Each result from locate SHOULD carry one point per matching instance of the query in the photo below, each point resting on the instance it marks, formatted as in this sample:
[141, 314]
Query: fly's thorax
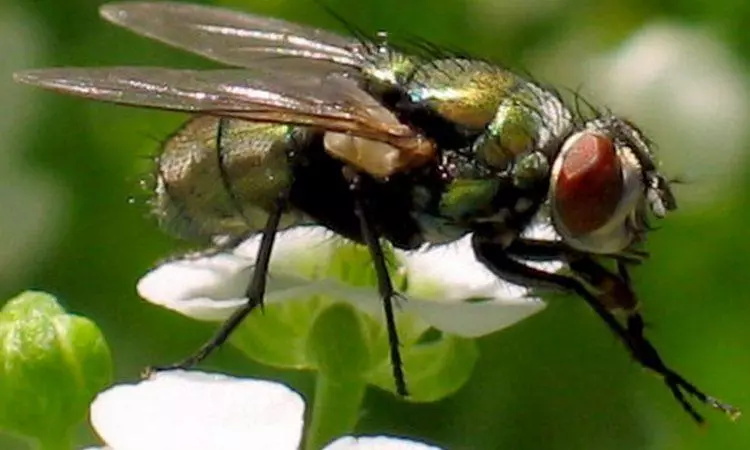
[501, 179]
[446, 209]
[220, 177]
[603, 185]
[463, 91]
[514, 127]
[473, 197]
[528, 121]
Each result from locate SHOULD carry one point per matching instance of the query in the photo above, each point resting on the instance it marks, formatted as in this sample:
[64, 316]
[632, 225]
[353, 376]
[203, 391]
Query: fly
[413, 148]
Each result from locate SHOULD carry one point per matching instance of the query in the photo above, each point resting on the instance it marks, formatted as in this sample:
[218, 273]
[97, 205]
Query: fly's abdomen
[221, 177]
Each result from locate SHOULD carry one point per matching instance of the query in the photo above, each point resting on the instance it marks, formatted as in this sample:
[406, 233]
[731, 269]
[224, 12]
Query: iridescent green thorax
[466, 92]
[511, 116]
[514, 130]
[528, 120]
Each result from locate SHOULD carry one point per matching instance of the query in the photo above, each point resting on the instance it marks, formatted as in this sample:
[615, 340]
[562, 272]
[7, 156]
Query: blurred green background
[73, 221]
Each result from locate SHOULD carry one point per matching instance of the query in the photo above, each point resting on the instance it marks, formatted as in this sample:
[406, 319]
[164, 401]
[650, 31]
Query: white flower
[447, 287]
[377, 443]
[181, 410]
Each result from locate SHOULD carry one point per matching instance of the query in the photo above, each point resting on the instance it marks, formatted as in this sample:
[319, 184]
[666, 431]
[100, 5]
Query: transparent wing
[333, 102]
[231, 37]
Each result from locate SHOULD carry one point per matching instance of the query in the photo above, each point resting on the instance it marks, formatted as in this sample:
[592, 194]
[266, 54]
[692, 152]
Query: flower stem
[335, 410]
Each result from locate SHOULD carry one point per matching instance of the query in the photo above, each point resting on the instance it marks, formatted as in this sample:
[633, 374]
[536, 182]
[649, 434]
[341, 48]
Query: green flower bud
[53, 364]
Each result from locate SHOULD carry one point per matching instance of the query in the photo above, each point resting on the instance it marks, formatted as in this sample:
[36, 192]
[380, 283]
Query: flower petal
[212, 287]
[474, 319]
[377, 443]
[447, 287]
[195, 410]
[191, 286]
[297, 242]
[452, 291]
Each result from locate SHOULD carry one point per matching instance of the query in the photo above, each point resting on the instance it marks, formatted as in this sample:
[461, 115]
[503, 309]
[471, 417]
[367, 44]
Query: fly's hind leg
[254, 293]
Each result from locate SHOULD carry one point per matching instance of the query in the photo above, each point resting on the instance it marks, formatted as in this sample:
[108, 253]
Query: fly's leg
[640, 347]
[500, 261]
[255, 291]
[385, 286]
[613, 292]
[541, 250]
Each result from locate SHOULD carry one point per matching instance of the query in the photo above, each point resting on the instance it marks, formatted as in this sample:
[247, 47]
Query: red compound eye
[589, 184]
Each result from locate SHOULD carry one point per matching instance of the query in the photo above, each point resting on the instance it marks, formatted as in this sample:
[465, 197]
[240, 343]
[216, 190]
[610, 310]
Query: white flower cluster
[447, 287]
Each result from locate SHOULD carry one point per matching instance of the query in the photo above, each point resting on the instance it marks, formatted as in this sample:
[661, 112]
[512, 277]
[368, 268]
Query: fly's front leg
[643, 351]
[255, 291]
[504, 262]
[541, 250]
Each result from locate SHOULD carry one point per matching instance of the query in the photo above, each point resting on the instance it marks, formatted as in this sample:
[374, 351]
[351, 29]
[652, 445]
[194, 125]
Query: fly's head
[604, 184]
